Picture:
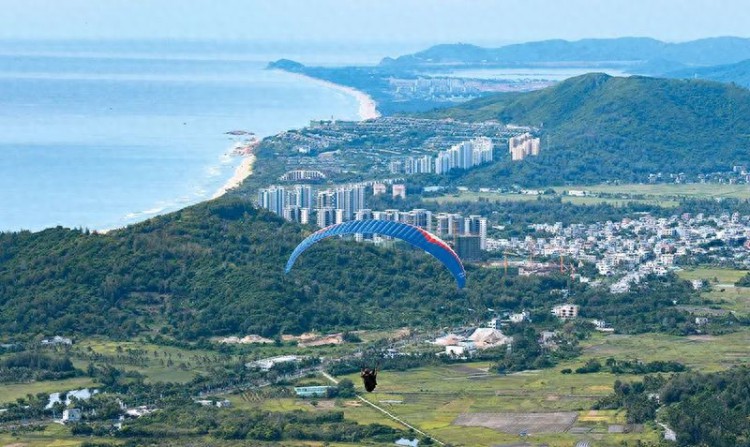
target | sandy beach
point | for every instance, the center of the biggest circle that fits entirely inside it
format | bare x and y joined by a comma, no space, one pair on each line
241,173
368,108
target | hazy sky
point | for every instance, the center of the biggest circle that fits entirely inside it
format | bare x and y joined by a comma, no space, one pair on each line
480,21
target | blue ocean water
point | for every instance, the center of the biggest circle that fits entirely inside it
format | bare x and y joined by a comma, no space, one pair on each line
99,135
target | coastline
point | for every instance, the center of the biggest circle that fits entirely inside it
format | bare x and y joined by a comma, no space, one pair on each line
368,108
243,171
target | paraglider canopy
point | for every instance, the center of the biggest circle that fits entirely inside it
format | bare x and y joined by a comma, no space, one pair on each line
408,233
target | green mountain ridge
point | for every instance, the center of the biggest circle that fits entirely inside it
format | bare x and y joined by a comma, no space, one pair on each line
216,268
596,128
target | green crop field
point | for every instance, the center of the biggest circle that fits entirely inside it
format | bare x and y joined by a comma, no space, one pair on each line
704,353
431,399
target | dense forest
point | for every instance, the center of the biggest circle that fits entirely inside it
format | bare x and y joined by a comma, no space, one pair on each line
703,409
598,128
217,269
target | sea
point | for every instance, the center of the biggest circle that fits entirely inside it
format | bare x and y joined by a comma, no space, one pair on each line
101,134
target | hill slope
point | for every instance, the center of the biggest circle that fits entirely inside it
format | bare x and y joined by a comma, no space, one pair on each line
738,73
711,51
212,269
216,268
596,127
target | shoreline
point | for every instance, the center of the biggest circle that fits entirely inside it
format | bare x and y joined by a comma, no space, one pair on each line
368,108
243,171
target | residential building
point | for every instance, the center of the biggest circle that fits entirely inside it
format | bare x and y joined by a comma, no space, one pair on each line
311,391
398,190
468,247
273,199
378,188
522,146
565,311
477,226
326,216
71,415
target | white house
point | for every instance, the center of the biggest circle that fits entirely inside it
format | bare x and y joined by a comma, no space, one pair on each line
458,351
71,415
520,317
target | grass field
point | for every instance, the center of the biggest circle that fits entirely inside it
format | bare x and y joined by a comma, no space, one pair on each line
722,276
155,368
470,196
9,393
723,291
704,353
693,191
53,435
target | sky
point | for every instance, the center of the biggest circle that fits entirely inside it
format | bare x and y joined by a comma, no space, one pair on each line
486,22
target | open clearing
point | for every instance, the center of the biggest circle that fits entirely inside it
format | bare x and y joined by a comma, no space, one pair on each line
722,291
514,423
469,196
692,191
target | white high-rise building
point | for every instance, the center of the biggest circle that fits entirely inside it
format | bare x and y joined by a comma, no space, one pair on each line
301,196
464,155
272,198
326,198
349,199
477,226
399,191
448,224
419,218
326,216
522,146
442,162
378,188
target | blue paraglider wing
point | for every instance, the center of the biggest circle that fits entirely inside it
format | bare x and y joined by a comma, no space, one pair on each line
408,233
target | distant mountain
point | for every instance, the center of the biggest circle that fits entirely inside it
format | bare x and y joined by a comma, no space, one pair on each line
738,73
596,127
621,51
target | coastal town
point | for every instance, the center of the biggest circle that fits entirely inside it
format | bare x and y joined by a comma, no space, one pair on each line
413,224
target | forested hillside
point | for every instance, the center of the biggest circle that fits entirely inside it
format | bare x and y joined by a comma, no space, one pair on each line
217,268
738,73
596,128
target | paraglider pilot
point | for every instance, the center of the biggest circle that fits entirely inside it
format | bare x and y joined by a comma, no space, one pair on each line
369,377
